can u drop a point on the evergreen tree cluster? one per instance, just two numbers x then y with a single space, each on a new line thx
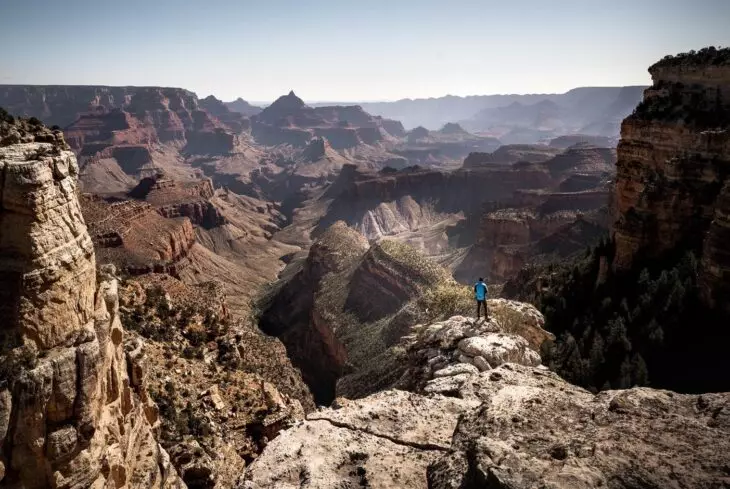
645 326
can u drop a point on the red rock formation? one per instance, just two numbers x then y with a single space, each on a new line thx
672 165
290 121
295 316
235 121
511 153
61 104
136 238
565 142
459 186
242 107
174 199
131 133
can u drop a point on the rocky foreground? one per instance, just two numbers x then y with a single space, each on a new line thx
484 414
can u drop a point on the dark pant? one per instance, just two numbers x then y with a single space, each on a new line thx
479 307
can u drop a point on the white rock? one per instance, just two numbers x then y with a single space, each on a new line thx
446 385
481 363
446 333
464 358
497 348
459 368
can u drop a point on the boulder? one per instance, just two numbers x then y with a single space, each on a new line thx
498 348
458 369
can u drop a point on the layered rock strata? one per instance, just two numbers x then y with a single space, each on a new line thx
137 238
290 121
173 198
673 164
73 414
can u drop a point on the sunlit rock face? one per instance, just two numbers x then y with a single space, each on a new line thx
70 413
475 409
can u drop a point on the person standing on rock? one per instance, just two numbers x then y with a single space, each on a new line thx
480 293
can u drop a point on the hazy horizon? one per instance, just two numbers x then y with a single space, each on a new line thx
329 51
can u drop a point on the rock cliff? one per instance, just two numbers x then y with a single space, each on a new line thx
136 238
174 199
479 411
673 163
72 413
627 309
61 104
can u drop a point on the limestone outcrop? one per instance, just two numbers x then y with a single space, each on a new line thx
73 415
467 424
533 428
382 441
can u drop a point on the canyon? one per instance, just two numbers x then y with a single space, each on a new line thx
633 297
595 111
204 294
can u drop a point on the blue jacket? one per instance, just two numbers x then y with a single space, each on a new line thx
480 291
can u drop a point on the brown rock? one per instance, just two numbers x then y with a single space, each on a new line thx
671 160
62 371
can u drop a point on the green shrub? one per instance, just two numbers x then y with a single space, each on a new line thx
447 299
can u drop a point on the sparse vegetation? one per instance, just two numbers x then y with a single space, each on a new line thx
412 262
705 56
447 299
6 117
157 320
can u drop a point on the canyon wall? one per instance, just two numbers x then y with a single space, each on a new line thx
673 164
61 104
74 410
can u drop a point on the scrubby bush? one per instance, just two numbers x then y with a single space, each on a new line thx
6 117
447 299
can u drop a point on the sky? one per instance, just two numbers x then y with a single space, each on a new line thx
351 50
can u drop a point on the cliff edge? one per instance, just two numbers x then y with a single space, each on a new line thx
674 167
74 411
479 411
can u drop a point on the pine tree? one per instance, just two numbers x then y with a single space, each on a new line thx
639 371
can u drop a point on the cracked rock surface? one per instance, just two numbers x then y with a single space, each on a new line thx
514 426
386 440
